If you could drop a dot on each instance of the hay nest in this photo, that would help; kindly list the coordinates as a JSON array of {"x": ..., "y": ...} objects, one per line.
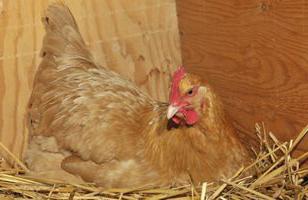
[{"x": 279, "y": 176}]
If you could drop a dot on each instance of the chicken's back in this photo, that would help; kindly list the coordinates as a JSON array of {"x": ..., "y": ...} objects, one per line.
[{"x": 91, "y": 111}]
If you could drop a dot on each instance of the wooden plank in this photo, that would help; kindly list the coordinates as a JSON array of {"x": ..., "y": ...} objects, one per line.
[
  {"x": 255, "y": 53},
  {"x": 138, "y": 39}
]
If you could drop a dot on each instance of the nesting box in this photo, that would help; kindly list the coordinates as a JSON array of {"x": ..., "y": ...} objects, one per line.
[{"x": 254, "y": 53}]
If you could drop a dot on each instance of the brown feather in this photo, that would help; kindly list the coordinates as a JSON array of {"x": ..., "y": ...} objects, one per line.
[{"x": 117, "y": 135}]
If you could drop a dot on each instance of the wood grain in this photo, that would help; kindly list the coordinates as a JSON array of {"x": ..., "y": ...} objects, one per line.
[
  {"x": 255, "y": 53},
  {"x": 139, "y": 39}
]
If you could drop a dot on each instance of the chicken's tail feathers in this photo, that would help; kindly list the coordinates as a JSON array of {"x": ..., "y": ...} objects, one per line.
[{"x": 62, "y": 38}]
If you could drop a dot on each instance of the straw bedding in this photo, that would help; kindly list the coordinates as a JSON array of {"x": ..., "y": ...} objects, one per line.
[{"x": 279, "y": 176}]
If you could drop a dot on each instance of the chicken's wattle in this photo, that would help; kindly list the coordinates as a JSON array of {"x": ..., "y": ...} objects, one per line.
[{"x": 190, "y": 117}]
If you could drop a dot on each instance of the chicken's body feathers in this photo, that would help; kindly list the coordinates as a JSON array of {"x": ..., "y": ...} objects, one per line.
[{"x": 116, "y": 135}]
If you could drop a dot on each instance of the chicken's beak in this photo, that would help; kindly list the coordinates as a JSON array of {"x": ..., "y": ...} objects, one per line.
[{"x": 172, "y": 110}]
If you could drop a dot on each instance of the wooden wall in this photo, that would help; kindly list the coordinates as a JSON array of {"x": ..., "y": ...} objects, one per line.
[
  {"x": 255, "y": 53},
  {"x": 139, "y": 39}
]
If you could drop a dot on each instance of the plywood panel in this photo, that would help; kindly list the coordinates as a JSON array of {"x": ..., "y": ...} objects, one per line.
[
  {"x": 255, "y": 53},
  {"x": 139, "y": 39}
]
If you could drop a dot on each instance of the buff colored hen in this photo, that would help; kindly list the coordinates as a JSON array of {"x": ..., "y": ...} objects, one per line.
[{"x": 87, "y": 123}]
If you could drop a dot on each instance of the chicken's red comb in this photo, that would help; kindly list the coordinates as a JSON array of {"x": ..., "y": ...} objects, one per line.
[{"x": 177, "y": 77}]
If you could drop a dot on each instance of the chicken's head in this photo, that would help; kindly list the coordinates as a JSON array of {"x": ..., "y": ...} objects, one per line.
[{"x": 186, "y": 99}]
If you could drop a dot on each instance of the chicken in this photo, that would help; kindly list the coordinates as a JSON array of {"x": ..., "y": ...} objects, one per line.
[{"x": 88, "y": 122}]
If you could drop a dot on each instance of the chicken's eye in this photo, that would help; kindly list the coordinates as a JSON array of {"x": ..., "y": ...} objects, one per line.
[{"x": 190, "y": 92}]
